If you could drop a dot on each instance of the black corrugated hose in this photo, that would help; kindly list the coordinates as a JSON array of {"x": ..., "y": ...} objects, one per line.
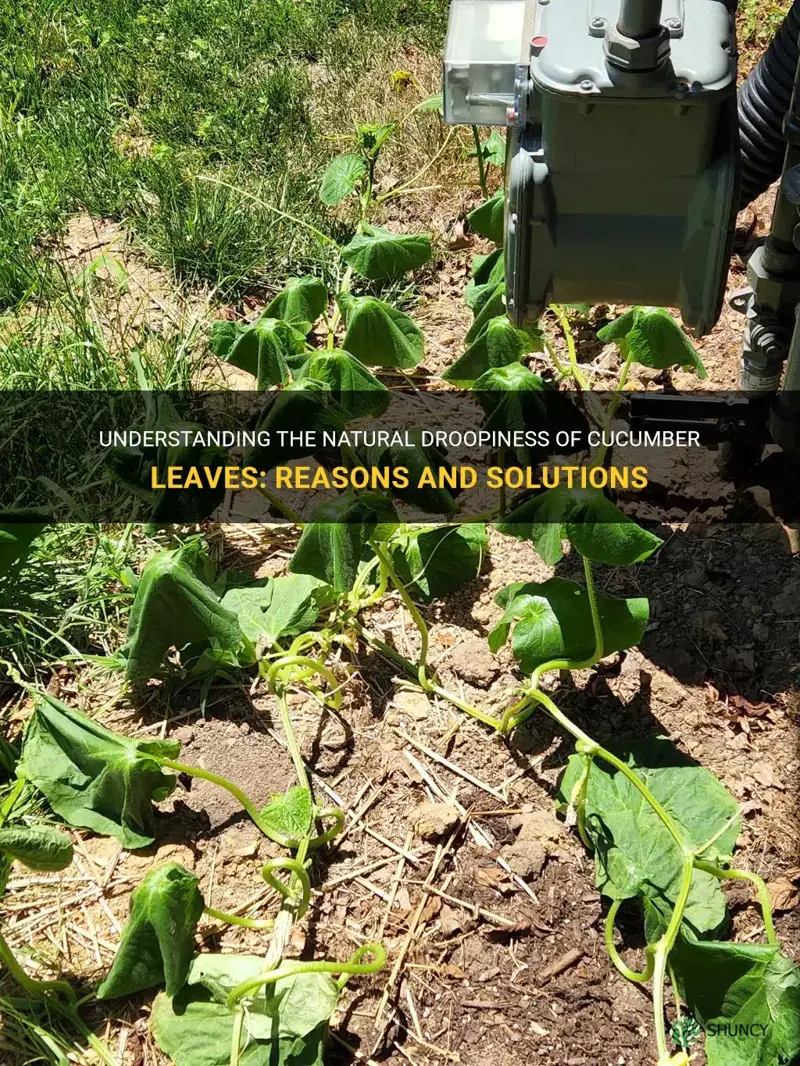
[{"x": 763, "y": 101}]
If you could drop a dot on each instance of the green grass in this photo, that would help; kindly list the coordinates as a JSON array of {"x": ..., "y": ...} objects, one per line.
[{"x": 115, "y": 107}]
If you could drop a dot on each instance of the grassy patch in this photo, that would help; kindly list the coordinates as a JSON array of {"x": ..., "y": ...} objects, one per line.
[{"x": 117, "y": 108}]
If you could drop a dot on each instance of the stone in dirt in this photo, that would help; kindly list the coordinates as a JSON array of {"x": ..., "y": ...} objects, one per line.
[
  {"x": 473, "y": 662},
  {"x": 539, "y": 836},
  {"x": 434, "y": 820},
  {"x": 415, "y": 704}
]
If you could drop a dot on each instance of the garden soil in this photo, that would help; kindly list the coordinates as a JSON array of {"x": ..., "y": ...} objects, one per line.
[{"x": 486, "y": 902}]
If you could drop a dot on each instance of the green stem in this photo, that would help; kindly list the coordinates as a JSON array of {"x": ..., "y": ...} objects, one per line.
[
  {"x": 289, "y": 892},
  {"x": 575, "y": 369},
  {"x": 278, "y": 503},
  {"x": 206, "y": 775},
  {"x": 30, "y": 984},
  {"x": 292, "y": 969},
  {"x": 512, "y": 718},
  {"x": 236, "y": 1036},
  {"x": 337, "y": 311},
  {"x": 577, "y": 801},
  {"x": 560, "y": 368},
  {"x": 92, "y": 1040},
  {"x": 616, "y": 398},
  {"x": 416, "y": 617},
  {"x": 481, "y": 164},
  {"x": 234, "y": 919},
  {"x": 761, "y": 890},
  {"x": 662, "y": 950},
  {"x": 632, "y": 975}
]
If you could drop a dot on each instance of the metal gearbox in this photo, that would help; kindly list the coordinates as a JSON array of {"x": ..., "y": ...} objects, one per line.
[{"x": 622, "y": 158}]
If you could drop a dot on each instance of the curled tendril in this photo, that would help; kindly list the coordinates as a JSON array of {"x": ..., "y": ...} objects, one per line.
[
  {"x": 353, "y": 967},
  {"x": 291, "y": 669},
  {"x": 614, "y": 955},
  {"x": 286, "y": 892}
]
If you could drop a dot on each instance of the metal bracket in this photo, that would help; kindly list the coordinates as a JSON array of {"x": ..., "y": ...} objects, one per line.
[{"x": 602, "y": 13}]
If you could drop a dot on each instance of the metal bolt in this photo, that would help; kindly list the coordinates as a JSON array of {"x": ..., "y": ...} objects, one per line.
[
  {"x": 587, "y": 85},
  {"x": 673, "y": 24},
  {"x": 682, "y": 86},
  {"x": 598, "y": 23}
]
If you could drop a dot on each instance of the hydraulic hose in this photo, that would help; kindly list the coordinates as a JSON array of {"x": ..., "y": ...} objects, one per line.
[{"x": 763, "y": 101}]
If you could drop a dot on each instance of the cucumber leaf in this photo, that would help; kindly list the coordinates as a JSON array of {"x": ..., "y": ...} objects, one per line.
[
  {"x": 489, "y": 303},
  {"x": 746, "y": 997},
  {"x": 331, "y": 545},
  {"x": 303, "y": 403},
  {"x": 380, "y": 335},
  {"x": 358, "y": 393},
  {"x": 300, "y": 303},
  {"x": 157, "y": 942},
  {"x": 40, "y": 847},
  {"x": 175, "y": 606},
  {"x": 436, "y": 560},
  {"x": 500, "y": 344},
  {"x": 260, "y": 349},
  {"x": 488, "y": 220},
  {"x": 592, "y": 523},
  {"x": 654, "y": 339},
  {"x": 288, "y": 815},
  {"x": 94, "y": 778},
  {"x": 377, "y": 253},
  {"x": 285, "y": 1025},
  {"x": 553, "y": 620},
  {"x": 342, "y": 177},
  {"x": 416, "y": 458},
  {"x": 635, "y": 855}
]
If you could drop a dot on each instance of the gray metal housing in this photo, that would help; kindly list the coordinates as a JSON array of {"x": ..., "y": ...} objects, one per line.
[{"x": 622, "y": 159}]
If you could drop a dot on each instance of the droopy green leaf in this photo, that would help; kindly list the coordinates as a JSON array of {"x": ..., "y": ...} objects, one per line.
[
  {"x": 277, "y": 607},
  {"x": 284, "y": 1026},
  {"x": 493, "y": 149},
  {"x": 499, "y": 345},
  {"x": 595, "y": 526},
  {"x": 332, "y": 543},
  {"x": 518, "y": 401},
  {"x": 377, "y": 253},
  {"x": 303, "y": 403},
  {"x": 358, "y": 393},
  {"x": 488, "y": 274},
  {"x": 746, "y": 997},
  {"x": 635, "y": 855},
  {"x": 175, "y": 606},
  {"x": 415, "y": 458},
  {"x": 553, "y": 620},
  {"x": 489, "y": 303},
  {"x": 262, "y": 349},
  {"x": 300, "y": 303},
  {"x": 40, "y": 847},
  {"x": 488, "y": 219},
  {"x": 288, "y": 815},
  {"x": 601, "y": 532},
  {"x": 93, "y": 778},
  {"x": 157, "y": 942},
  {"x": 18, "y": 530},
  {"x": 378, "y": 334},
  {"x": 434, "y": 561},
  {"x": 248, "y": 602},
  {"x": 342, "y": 177},
  {"x": 296, "y": 602},
  {"x": 653, "y": 337}
]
